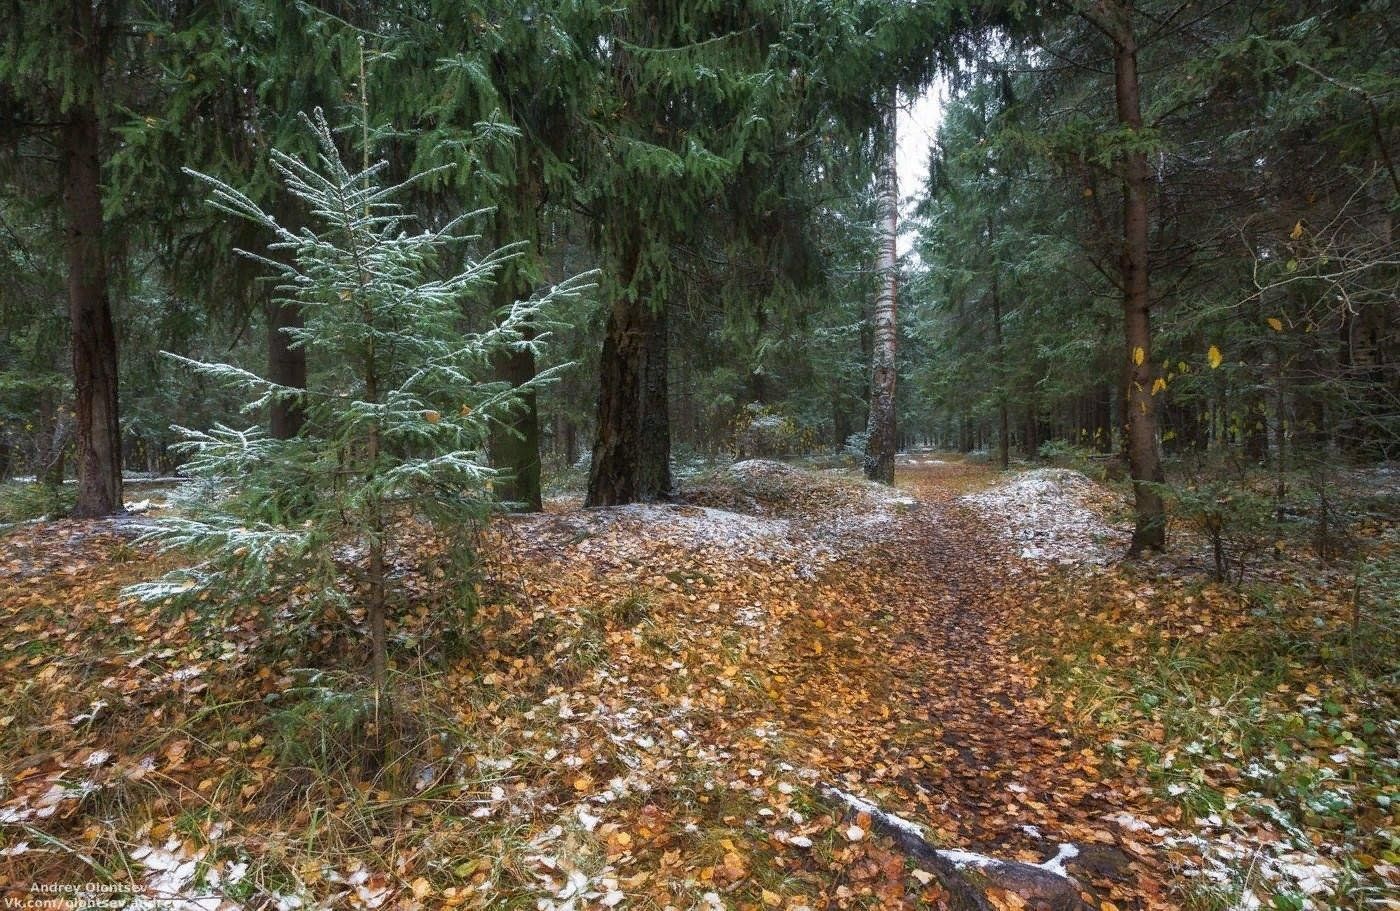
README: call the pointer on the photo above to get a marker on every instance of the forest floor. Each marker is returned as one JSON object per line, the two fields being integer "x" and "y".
{"x": 651, "y": 702}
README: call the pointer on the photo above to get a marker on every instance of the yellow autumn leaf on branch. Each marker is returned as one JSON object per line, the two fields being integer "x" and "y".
{"x": 1276, "y": 324}
{"x": 1159, "y": 385}
{"x": 1297, "y": 232}
{"x": 1214, "y": 357}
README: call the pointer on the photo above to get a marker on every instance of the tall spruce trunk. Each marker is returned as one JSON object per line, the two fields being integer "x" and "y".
{"x": 882, "y": 440}
{"x": 1003, "y": 412}
{"x": 286, "y": 366}
{"x": 632, "y": 449}
{"x": 515, "y": 447}
{"x": 1140, "y": 409}
{"x": 94, "y": 340}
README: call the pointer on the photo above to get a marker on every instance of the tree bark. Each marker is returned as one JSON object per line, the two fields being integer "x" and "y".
{"x": 1003, "y": 413}
{"x": 654, "y": 471}
{"x": 286, "y": 366}
{"x": 515, "y": 447}
{"x": 632, "y": 449}
{"x": 882, "y": 441}
{"x": 94, "y": 341}
{"x": 1140, "y": 409}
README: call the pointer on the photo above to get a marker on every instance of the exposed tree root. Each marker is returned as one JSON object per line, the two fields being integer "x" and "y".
{"x": 964, "y": 874}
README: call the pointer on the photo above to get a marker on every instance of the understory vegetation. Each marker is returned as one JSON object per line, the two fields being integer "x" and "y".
{"x": 1267, "y": 703}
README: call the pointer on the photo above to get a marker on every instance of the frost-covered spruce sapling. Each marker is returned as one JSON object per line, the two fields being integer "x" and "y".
{"x": 397, "y": 413}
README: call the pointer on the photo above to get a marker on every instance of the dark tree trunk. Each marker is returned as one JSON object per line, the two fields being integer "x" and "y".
{"x": 94, "y": 341}
{"x": 286, "y": 366}
{"x": 1140, "y": 411}
{"x": 570, "y": 443}
{"x": 1003, "y": 412}
{"x": 655, "y": 456}
{"x": 632, "y": 449}
{"x": 515, "y": 448}
{"x": 1103, "y": 420}
{"x": 1256, "y": 429}
{"x": 840, "y": 420}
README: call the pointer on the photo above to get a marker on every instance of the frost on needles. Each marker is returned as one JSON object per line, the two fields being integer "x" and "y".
{"x": 397, "y": 411}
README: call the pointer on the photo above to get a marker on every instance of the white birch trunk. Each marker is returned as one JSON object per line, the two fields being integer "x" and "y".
{"x": 882, "y": 442}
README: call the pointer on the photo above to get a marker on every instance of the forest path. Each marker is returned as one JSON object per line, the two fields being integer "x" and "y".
{"x": 921, "y": 703}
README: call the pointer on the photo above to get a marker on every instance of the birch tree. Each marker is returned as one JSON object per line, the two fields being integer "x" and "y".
{"x": 881, "y": 440}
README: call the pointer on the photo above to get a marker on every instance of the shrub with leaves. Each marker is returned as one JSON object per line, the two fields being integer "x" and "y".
{"x": 397, "y": 413}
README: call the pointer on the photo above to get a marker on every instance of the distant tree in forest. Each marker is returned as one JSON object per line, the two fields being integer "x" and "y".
{"x": 397, "y": 419}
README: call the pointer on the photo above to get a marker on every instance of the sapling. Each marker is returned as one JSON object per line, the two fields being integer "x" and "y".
{"x": 397, "y": 412}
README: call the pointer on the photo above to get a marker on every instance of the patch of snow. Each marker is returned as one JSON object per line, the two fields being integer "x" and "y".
{"x": 1230, "y": 858}
{"x": 630, "y": 532}
{"x": 865, "y": 806}
{"x": 1045, "y": 515}
{"x": 1056, "y": 864}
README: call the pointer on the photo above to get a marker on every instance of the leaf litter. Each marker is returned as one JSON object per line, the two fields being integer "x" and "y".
{"x": 650, "y": 705}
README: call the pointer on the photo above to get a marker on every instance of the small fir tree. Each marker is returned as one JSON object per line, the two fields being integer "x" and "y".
{"x": 397, "y": 415}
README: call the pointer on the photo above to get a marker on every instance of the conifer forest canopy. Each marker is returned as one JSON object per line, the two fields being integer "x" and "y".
{"x": 421, "y": 371}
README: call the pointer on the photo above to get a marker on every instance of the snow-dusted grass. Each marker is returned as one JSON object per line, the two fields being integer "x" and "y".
{"x": 757, "y": 509}
{"x": 1048, "y": 516}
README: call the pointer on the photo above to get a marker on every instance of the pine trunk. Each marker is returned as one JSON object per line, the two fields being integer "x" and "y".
{"x": 1144, "y": 462}
{"x": 881, "y": 442}
{"x": 94, "y": 340}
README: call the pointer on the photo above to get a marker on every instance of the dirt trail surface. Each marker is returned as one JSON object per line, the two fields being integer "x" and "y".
{"x": 656, "y": 699}
{"x": 943, "y": 725}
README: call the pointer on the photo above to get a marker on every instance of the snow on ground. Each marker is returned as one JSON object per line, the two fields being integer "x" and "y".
{"x": 756, "y": 509}
{"x": 630, "y": 533}
{"x": 1046, "y": 513}
{"x": 702, "y": 527}
{"x": 833, "y": 509}
{"x": 1227, "y": 860}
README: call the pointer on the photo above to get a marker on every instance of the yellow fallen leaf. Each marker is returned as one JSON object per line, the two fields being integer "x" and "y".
{"x": 1214, "y": 357}
{"x": 1276, "y": 324}
{"x": 1139, "y": 355}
